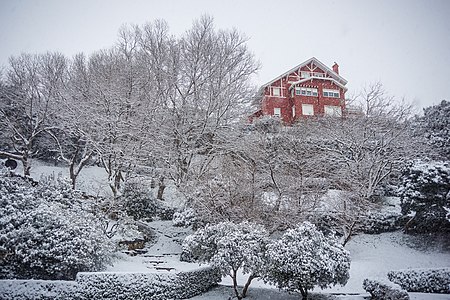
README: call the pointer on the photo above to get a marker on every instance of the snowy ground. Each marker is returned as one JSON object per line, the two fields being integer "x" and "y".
{"x": 92, "y": 179}
{"x": 372, "y": 255}
{"x": 163, "y": 256}
{"x": 225, "y": 292}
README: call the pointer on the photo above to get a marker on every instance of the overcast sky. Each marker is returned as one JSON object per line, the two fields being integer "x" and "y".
{"x": 403, "y": 44}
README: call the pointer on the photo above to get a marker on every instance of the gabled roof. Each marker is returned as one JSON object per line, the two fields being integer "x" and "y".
{"x": 329, "y": 71}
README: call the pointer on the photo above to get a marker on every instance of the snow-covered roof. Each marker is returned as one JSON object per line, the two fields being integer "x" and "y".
{"x": 339, "y": 79}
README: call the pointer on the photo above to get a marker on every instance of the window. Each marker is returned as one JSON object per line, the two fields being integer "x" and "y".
{"x": 293, "y": 111}
{"x": 306, "y": 91}
{"x": 331, "y": 93}
{"x": 277, "y": 112}
{"x": 308, "y": 109}
{"x": 306, "y": 74}
{"x": 331, "y": 110}
{"x": 276, "y": 91}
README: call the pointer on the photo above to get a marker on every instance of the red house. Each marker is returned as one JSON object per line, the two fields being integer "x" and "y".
{"x": 309, "y": 89}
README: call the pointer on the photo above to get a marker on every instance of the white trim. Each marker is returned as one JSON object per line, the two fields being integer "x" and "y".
{"x": 332, "y": 91}
{"x": 303, "y": 91}
{"x": 277, "y": 112}
{"x": 276, "y": 88}
{"x": 324, "y": 78}
{"x": 324, "y": 68}
{"x": 309, "y": 111}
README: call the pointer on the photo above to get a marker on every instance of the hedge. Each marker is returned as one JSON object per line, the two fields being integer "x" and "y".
{"x": 38, "y": 289}
{"x": 114, "y": 285}
{"x": 423, "y": 280}
{"x": 384, "y": 290}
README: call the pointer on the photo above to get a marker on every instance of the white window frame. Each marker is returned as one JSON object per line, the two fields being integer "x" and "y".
{"x": 313, "y": 92}
{"x": 307, "y": 109}
{"x": 278, "y": 93}
{"x": 277, "y": 112}
{"x": 331, "y": 93}
{"x": 332, "y": 110}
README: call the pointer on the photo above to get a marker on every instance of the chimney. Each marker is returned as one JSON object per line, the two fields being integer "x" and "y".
{"x": 336, "y": 68}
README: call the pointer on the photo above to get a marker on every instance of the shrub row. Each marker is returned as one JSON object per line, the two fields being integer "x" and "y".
{"x": 423, "y": 280}
{"x": 38, "y": 290}
{"x": 384, "y": 290}
{"x": 114, "y": 285}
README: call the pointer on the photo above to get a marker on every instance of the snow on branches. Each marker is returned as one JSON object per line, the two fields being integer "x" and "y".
{"x": 425, "y": 195}
{"x": 230, "y": 247}
{"x": 303, "y": 258}
{"x": 46, "y": 233}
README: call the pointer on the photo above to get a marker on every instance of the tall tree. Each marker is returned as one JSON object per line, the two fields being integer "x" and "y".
{"x": 434, "y": 127}
{"x": 210, "y": 91}
{"x": 33, "y": 87}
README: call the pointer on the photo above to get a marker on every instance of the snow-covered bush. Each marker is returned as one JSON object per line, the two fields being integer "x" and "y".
{"x": 186, "y": 218}
{"x": 422, "y": 280}
{"x": 425, "y": 194}
{"x": 47, "y": 231}
{"x": 230, "y": 247}
{"x": 38, "y": 290}
{"x": 304, "y": 258}
{"x": 374, "y": 222}
{"x": 139, "y": 202}
{"x": 267, "y": 124}
{"x": 384, "y": 290}
{"x": 434, "y": 125}
{"x": 155, "y": 286}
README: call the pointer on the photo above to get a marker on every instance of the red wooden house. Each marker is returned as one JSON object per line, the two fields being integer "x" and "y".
{"x": 309, "y": 89}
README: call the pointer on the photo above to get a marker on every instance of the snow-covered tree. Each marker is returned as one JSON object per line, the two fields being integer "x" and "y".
{"x": 211, "y": 84}
{"x": 434, "y": 126}
{"x": 425, "y": 195}
{"x": 48, "y": 231}
{"x": 304, "y": 258}
{"x": 363, "y": 152}
{"x": 28, "y": 107}
{"x": 231, "y": 247}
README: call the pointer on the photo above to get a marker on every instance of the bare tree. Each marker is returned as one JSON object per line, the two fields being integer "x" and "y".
{"x": 364, "y": 151}
{"x": 34, "y": 84}
{"x": 211, "y": 87}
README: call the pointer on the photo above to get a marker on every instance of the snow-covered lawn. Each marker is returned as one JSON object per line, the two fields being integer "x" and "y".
{"x": 224, "y": 292}
{"x": 372, "y": 255}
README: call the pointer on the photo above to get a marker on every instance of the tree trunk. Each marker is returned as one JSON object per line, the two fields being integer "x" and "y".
{"x": 247, "y": 284}
{"x": 236, "y": 292}
{"x": 161, "y": 189}
{"x": 348, "y": 235}
{"x": 73, "y": 176}
{"x": 304, "y": 293}
{"x": 26, "y": 166}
